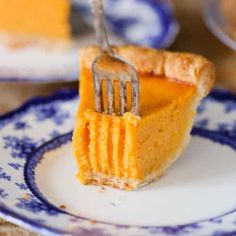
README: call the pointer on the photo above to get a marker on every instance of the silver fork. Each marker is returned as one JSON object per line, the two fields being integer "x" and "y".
{"x": 110, "y": 67}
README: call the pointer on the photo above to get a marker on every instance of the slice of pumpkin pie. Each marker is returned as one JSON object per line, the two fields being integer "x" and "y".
{"x": 130, "y": 151}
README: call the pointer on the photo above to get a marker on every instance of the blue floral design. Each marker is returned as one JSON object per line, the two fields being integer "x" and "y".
{"x": 230, "y": 106}
{"x": 168, "y": 230}
{"x": 123, "y": 23}
{"x": 224, "y": 233}
{"x": 16, "y": 166}
{"x": 54, "y": 134}
{"x": 32, "y": 204}
{"x": 4, "y": 175}
{"x": 52, "y": 112}
{"x": 202, "y": 123}
{"x": 40, "y": 221}
{"x": 22, "y": 186}
{"x": 223, "y": 126}
{"x": 20, "y": 147}
{"x": 21, "y": 125}
{"x": 216, "y": 220}
{"x": 229, "y": 129}
{"x": 202, "y": 106}
{"x": 3, "y": 193}
{"x": 91, "y": 232}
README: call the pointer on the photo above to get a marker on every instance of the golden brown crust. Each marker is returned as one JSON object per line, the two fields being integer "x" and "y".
{"x": 120, "y": 183}
{"x": 185, "y": 67}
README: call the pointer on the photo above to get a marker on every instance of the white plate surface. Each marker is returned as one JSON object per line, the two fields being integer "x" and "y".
{"x": 193, "y": 189}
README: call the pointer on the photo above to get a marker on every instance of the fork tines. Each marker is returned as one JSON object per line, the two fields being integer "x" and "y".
{"x": 123, "y": 77}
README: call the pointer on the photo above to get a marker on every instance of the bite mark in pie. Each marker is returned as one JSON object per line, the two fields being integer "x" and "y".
{"x": 130, "y": 151}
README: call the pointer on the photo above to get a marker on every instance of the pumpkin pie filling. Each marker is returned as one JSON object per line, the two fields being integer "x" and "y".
{"x": 129, "y": 151}
{"x": 35, "y": 19}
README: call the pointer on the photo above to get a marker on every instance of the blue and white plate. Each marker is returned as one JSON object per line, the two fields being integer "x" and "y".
{"x": 39, "y": 190}
{"x": 145, "y": 22}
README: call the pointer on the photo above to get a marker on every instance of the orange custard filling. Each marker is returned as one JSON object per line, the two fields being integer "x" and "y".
{"x": 129, "y": 146}
{"x": 130, "y": 151}
{"x": 35, "y": 19}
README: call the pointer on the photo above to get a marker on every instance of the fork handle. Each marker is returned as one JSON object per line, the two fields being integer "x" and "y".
{"x": 100, "y": 26}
